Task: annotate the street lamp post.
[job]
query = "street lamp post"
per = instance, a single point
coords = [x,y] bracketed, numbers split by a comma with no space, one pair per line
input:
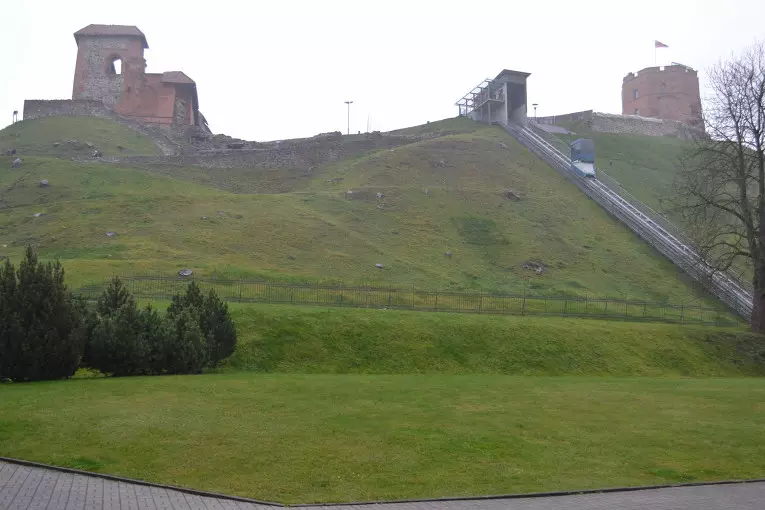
[535,110]
[349,103]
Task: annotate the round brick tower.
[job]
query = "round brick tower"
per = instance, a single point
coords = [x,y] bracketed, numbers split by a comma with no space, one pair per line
[668,92]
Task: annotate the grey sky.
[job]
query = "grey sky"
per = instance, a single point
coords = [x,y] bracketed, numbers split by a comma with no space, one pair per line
[282,69]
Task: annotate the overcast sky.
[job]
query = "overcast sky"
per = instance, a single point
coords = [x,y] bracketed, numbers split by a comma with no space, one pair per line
[283,69]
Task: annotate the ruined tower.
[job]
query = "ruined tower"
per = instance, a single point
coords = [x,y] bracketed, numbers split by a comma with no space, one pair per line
[111,68]
[668,92]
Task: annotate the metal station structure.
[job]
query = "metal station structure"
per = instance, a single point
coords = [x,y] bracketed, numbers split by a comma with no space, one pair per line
[497,100]
[502,101]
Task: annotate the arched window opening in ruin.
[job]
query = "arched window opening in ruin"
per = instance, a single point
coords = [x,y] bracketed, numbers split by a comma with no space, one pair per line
[115,66]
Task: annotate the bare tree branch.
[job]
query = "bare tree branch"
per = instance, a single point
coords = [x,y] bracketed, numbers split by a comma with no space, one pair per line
[721,183]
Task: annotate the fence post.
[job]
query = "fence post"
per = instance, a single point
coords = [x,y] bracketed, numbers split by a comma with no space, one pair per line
[480,301]
[412,297]
[523,304]
[565,307]
[644,310]
[341,295]
[435,305]
[682,311]
[240,290]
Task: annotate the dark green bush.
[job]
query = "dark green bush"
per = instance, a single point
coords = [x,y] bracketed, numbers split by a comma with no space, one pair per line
[117,345]
[123,340]
[218,327]
[192,298]
[113,298]
[185,347]
[213,319]
[197,332]
[42,327]
[156,331]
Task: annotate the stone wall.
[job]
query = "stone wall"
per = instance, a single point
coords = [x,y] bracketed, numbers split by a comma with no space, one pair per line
[35,108]
[624,124]
[633,124]
[566,118]
[94,77]
[302,154]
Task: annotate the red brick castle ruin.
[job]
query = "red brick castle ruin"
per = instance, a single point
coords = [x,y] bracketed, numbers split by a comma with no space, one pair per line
[110,78]
[656,101]
[668,92]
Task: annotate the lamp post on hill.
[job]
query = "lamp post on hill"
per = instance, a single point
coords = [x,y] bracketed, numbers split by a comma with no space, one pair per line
[349,103]
[535,110]
[15,116]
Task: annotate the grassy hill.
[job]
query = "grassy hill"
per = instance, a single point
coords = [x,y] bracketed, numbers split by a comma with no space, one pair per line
[646,166]
[70,136]
[442,194]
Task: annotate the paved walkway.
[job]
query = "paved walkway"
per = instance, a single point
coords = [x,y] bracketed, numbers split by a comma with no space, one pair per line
[33,488]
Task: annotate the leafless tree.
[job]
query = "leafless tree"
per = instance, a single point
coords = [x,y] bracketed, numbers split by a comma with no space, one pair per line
[721,184]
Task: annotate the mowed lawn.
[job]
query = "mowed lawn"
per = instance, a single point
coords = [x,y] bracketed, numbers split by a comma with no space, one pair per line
[327,438]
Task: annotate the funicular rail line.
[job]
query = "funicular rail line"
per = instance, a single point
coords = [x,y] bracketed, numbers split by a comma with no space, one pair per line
[645,222]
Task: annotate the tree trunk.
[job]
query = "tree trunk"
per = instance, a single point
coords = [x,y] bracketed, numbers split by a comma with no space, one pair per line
[757,321]
[758,312]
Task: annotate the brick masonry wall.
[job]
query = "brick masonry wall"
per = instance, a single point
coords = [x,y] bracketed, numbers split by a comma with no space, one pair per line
[669,93]
[93,57]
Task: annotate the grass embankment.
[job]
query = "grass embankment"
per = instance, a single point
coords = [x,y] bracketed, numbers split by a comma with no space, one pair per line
[315,231]
[308,438]
[303,339]
[646,166]
[69,136]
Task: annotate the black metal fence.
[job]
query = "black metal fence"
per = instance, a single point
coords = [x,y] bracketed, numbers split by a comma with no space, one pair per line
[244,291]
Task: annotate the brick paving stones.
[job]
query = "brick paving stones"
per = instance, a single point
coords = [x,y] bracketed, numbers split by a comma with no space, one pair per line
[36,488]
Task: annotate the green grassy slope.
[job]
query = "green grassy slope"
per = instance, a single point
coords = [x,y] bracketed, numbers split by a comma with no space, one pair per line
[454,125]
[315,230]
[324,438]
[38,136]
[299,339]
[646,166]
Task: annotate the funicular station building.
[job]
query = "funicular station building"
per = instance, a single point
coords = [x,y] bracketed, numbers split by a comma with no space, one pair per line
[499,100]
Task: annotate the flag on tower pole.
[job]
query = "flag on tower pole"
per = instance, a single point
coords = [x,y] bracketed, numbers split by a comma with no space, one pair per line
[657,44]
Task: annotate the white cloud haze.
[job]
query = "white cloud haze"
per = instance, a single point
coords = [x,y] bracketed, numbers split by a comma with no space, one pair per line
[282,69]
